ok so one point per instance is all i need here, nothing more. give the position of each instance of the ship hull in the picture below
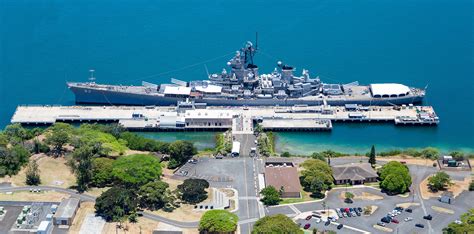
(107, 97)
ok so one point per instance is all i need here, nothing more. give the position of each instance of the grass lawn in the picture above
(53, 172)
(305, 196)
(45, 196)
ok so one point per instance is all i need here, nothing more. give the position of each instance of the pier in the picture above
(213, 118)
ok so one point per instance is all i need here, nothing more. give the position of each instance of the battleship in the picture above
(243, 85)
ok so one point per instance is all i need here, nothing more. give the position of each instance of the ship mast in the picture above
(92, 78)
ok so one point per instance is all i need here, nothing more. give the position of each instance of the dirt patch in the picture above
(409, 160)
(372, 210)
(184, 213)
(142, 226)
(383, 229)
(368, 196)
(457, 188)
(96, 192)
(407, 204)
(442, 210)
(49, 196)
(172, 182)
(53, 172)
(85, 209)
(227, 192)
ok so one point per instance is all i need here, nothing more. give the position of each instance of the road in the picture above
(249, 205)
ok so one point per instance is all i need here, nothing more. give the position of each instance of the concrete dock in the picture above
(240, 119)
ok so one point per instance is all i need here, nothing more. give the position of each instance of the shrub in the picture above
(278, 223)
(218, 221)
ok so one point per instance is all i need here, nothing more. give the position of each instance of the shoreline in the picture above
(292, 145)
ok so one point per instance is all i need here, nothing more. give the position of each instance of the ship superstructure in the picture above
(242, 84)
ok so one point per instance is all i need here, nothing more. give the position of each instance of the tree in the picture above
(471, 185)
(153, 195)
(136, 170)
(372, 156)
(278, 223)
(116, 204)
(16, 133)
(457, 155)
(271, 196)
(319, 156)
(83, 167)
(348, 195)
(193, 190)
(180, 153)
(33, 173)
(465, 226)
(439, 181)
(394, 183)
(11, 160)
(430, 153)
(316, 177)
(218, 221)
(101, 168)
(58, 136)
(395, 177)
(286, 154)
(316, 184)
(3, 140)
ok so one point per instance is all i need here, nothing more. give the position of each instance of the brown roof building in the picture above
(283, 174)
(354, 173)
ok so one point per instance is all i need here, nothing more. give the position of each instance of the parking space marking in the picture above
(350, 227)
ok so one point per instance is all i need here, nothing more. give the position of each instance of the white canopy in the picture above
(177, 90)
(389, 90)
(209, 89)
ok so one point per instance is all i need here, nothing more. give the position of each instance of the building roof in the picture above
(389, 89)
(177, 90)
(209, 89)
(354, 171)
(67, 208)
(44, 225)
(283, 176)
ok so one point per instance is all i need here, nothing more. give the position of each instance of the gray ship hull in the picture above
(86, 95)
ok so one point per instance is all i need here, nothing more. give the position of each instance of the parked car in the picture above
(307, 226)
(408, 210)
(408, 219)
(386, 219)
(309, 217)
(327, 223)
(338, 212)
(428, 217)
(419, 225)
(381, 224)
(395, 221)
(457, 221)
(357, 212)
(359, 209)
(399, 208)
(317, 220)
(340, 226)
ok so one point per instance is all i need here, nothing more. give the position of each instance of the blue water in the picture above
(44, 43)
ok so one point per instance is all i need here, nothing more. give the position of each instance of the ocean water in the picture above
(45, 43)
